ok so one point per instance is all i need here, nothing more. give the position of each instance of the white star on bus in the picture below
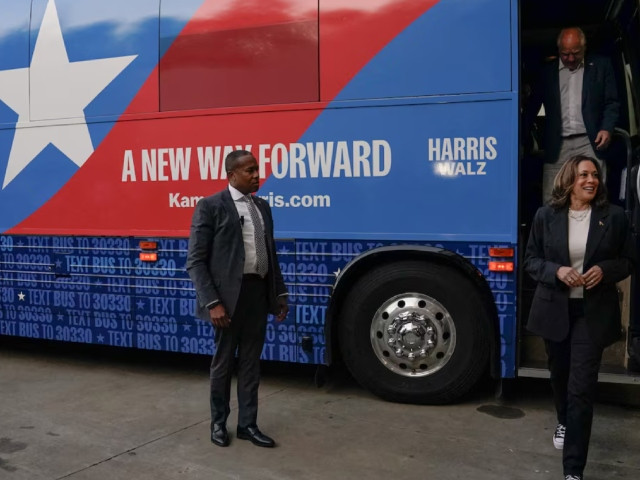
(59, 89)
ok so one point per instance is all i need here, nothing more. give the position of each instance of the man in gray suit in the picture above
(232, 263)
(581, 105)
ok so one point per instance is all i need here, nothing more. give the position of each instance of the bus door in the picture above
(612, 30)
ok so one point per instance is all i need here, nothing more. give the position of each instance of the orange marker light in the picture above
(148, 257)
(501, 252)
(501, 266)
(148, 245)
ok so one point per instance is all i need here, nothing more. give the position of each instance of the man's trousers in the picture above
(246, 335)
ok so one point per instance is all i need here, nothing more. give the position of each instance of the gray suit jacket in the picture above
(215, 260)
(609, 245)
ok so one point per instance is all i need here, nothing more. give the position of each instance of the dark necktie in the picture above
(262, 261)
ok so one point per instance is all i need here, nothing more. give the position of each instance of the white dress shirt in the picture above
(571, 99)
(250, 260)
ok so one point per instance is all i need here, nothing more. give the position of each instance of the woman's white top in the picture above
(578, 231)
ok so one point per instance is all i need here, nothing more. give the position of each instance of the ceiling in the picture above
(555, 14)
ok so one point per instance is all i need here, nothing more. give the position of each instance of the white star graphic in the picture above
(54, 88)
(21, 296)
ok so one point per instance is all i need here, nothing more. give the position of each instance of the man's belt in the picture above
(574, 135)
(251, 276)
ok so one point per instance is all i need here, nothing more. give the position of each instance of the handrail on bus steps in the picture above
(628, 197)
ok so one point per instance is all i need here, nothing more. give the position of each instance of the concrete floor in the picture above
(83, 415)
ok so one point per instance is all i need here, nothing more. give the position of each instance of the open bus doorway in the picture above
(612, 28)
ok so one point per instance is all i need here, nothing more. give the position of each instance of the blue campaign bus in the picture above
(391, 149)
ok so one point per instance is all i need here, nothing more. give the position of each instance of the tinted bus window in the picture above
(232, 53)
(14, 56)
(85, 57)
(456, 56)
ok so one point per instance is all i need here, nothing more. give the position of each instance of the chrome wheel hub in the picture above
(413, 335)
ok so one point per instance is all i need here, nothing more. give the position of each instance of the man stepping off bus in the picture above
(581, 105)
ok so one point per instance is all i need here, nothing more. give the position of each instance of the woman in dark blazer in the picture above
(579, 247)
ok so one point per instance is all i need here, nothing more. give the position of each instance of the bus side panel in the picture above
(406, 144)
(442, 172)
(163, 308)
(65, 288)
(318, 262)
(97, 290)
(430, 147)
(431, 171)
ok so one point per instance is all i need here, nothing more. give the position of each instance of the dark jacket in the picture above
(215, 260)
(600, 106)
(609, 245)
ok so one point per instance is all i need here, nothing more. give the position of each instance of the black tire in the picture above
(463, 351)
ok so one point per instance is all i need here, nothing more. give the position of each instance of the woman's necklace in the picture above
(579, 215)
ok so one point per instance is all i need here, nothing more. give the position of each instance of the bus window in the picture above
(14, 56)
(233, 54)
(78, 70)
(461, 55)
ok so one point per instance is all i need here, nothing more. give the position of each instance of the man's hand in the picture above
(602, 140)
(218, 316)
(284, 308)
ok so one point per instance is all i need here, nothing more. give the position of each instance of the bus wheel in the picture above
(415, 332)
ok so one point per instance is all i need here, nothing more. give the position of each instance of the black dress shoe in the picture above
(256, 436)
(219, 436)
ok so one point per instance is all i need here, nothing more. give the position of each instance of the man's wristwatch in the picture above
(213, 304)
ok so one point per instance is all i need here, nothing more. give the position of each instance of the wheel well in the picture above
(359, 267)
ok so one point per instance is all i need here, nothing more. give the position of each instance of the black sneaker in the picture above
(558, 439)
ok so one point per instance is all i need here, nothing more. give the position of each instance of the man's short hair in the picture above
(231, 162)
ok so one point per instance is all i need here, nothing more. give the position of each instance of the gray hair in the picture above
(583, 37)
